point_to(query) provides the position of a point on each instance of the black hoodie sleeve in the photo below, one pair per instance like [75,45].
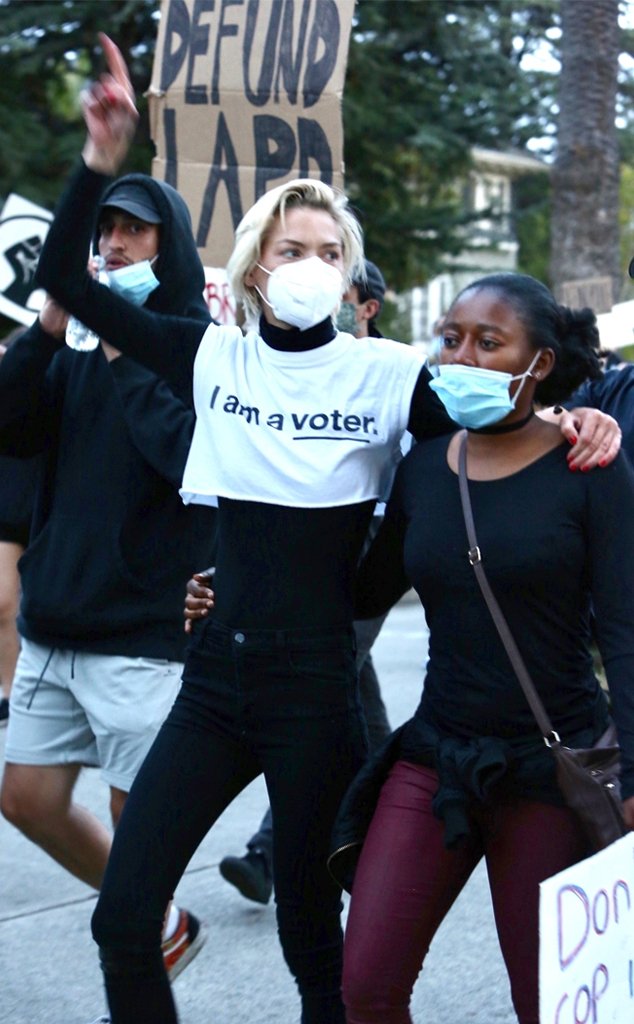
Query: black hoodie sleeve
[428,417]
[160,425]
[166,344]
[28,397]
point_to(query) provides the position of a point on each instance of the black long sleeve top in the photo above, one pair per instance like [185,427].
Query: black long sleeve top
[18,484]
[276,566]
[552,542]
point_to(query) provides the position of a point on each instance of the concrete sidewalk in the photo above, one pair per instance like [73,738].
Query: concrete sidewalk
[49,972]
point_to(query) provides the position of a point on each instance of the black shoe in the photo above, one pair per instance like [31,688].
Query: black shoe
[4,712]
[250,874]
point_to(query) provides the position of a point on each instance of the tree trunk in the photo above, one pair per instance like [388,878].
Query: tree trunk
[585,219]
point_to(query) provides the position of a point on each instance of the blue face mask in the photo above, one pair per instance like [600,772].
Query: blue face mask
[477,398]
[134,283]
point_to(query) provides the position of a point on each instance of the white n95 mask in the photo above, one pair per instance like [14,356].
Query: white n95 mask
[303,293]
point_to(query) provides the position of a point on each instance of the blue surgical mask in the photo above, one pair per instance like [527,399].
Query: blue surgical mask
[477,398]
[134,283]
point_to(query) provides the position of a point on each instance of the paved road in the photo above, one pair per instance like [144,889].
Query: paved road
[48,964]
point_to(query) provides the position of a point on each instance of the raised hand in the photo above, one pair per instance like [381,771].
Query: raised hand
[110,113]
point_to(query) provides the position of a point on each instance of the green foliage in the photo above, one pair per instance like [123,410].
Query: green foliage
[531,215]
[626,224]
[49,49]
[425,82]
[427,79]
[395,320]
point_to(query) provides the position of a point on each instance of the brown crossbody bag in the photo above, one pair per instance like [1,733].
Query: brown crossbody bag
[588,779]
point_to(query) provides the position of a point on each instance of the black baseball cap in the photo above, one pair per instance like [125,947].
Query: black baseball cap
[374,286]
[134,199]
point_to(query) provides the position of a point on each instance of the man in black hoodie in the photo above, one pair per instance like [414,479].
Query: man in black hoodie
[111,545]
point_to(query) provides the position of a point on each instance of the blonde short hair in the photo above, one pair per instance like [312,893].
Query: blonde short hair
[257,222]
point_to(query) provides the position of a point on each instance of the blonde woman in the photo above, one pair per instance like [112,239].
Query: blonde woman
[298,430]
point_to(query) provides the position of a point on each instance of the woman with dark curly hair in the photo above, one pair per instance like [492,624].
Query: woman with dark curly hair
[471,775]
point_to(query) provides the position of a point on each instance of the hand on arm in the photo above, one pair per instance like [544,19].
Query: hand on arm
[199,598]
[110,114]
[595,437]
[53,319]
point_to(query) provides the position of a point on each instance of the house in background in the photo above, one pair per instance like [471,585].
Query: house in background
[490,242]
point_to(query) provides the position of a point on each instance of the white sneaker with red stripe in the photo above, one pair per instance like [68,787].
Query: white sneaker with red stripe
[181,948]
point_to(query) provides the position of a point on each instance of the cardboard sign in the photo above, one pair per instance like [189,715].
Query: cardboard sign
[23,228]
[595,292]
[586,940]
[219,297]
[245,95]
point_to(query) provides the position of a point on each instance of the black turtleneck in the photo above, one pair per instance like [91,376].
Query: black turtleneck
[295,340]
[277,566]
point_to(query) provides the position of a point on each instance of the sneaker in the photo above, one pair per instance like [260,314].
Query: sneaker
[250,874]
[4,712]
[188,939]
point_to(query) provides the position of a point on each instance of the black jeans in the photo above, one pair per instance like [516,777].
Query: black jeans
[366,632]
[282,702]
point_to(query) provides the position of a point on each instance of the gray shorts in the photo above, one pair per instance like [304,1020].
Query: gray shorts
[70,707]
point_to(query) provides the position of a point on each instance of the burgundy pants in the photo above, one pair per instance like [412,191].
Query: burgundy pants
[406,881]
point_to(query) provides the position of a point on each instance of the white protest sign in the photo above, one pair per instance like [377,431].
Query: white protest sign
[219,297]
[586,940]
[23,228]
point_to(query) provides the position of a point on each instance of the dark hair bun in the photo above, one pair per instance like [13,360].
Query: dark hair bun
[576,356]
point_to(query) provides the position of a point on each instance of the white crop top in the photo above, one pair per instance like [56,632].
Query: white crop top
[304,429]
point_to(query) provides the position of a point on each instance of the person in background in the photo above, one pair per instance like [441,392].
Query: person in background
[18,478]
[252,874]
[362,303]
[111,544]
[469,775]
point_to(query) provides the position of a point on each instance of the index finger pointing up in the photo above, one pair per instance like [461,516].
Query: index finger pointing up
[116,64]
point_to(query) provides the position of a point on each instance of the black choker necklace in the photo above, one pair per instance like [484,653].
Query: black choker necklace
[506,428]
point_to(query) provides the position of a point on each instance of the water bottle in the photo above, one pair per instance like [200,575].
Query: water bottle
[78,336]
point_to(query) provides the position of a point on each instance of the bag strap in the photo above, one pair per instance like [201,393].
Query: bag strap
[475,557]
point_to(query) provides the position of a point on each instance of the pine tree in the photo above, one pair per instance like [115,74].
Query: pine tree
[425,82]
